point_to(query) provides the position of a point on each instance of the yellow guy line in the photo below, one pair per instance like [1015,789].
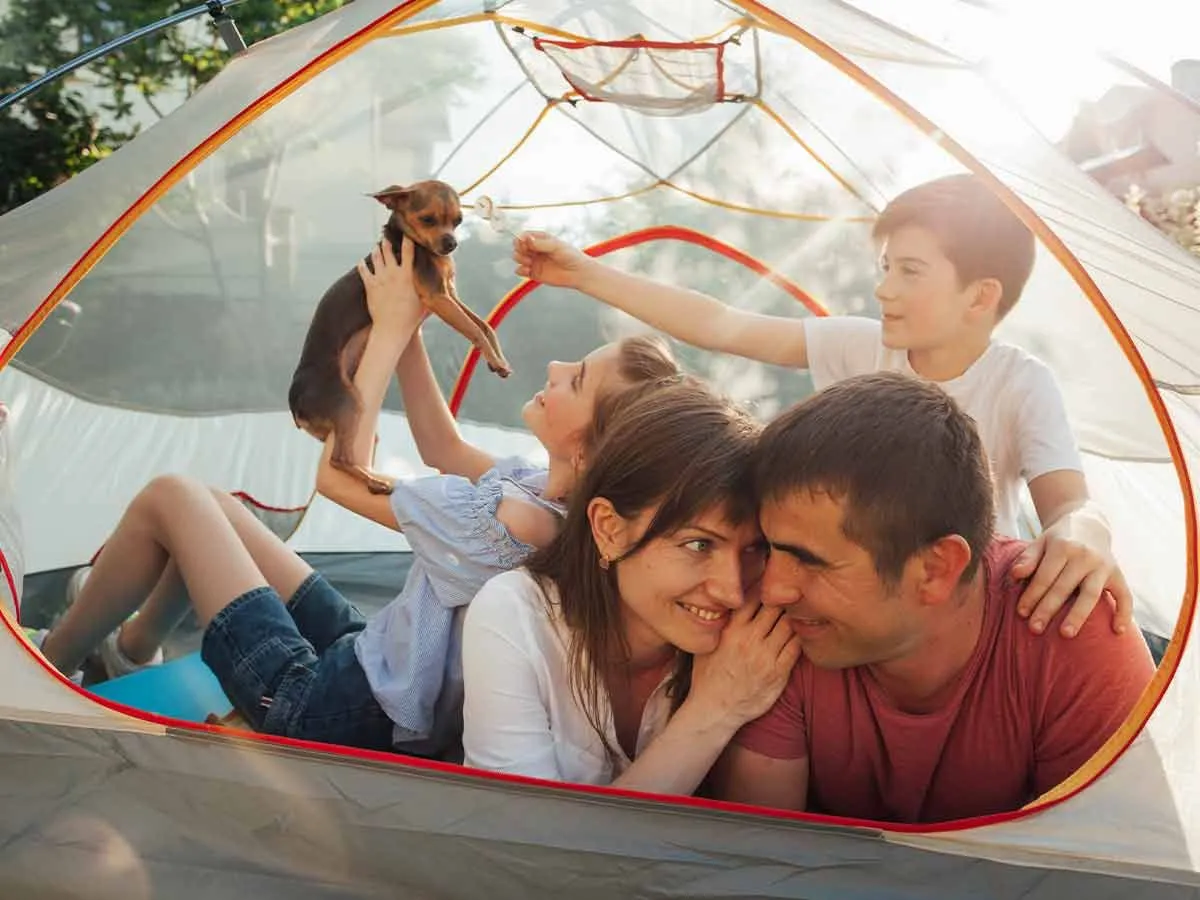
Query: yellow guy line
[562,204]
[484,17]
[752,210]
[515,147]
[741,22]
[539,28]
[791,132]
[772,213]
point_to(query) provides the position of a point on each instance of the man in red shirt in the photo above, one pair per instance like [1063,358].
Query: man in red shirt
[922,695]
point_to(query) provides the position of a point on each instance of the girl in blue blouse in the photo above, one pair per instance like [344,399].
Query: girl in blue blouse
[312,667]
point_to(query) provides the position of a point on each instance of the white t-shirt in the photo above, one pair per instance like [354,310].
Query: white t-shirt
[519,714]
[1011,395]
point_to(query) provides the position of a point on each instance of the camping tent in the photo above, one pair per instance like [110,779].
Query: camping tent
[155,305]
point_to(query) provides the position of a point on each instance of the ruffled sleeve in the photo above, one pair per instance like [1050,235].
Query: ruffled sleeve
[450,523]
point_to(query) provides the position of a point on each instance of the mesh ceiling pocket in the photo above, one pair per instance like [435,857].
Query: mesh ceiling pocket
[654,77]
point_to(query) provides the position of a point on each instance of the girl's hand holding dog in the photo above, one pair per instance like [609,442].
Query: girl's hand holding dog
[545,258]
[392,298]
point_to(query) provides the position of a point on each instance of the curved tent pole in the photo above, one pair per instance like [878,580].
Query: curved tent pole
[215,8]
[621,242]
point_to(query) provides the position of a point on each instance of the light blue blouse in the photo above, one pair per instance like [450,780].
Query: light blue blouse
[411,650]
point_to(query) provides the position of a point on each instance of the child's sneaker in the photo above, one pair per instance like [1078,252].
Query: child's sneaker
[37,636]
[112,662]
[115,663]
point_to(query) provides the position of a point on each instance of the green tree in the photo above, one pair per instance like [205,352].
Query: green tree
[55,134]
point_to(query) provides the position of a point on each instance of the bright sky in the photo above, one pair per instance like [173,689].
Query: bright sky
[1063,35]
[1043,51]
[1151,34]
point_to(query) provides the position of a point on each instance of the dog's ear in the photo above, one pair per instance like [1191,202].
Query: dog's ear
[394,196]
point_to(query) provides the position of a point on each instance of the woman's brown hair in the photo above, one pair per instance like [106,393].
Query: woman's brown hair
[672,445]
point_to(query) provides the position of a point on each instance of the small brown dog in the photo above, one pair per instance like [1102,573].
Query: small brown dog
[322,397]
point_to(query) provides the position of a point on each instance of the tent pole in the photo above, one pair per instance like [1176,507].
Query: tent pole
[215,8]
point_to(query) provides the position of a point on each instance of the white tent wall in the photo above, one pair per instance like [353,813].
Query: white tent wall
[112,453]
[1142,812]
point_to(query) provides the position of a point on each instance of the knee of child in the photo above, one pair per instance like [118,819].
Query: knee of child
[226,500]
[167,492]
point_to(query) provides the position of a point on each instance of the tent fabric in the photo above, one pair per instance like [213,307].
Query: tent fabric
[128,816]
[155,306]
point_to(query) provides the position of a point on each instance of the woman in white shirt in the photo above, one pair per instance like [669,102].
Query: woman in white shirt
[627,651]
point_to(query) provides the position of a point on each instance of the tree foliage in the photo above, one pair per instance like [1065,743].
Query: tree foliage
[62,129]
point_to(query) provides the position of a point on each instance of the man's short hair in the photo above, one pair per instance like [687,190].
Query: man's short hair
[905,459]
[981,236]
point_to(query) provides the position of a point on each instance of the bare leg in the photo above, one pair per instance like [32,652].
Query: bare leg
[162,612]
[180,519]
[168,603]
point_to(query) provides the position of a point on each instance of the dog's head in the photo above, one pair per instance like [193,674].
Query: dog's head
[429,212]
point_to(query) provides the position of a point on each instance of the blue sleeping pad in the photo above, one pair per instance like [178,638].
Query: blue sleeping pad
[181,688]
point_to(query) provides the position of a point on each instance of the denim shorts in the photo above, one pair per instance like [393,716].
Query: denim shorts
[291,669]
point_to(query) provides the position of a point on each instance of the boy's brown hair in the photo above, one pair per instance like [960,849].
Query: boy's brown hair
[898,452]
[981,236]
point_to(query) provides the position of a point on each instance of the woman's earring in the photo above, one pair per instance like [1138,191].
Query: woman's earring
[604,561]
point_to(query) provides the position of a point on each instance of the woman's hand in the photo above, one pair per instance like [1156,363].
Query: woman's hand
[392,298]
[745,675]
[547,259]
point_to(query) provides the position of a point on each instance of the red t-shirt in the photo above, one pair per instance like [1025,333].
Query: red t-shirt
[1029,711]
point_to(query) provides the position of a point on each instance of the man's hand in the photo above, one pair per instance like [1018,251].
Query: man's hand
[392,298]
[1072,555]
[545,258]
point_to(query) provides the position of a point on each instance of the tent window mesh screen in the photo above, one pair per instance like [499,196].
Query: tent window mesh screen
[654,77]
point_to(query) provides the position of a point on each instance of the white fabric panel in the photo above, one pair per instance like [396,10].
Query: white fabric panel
[76,466]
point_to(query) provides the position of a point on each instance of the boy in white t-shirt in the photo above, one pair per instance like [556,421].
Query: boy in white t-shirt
[955,259]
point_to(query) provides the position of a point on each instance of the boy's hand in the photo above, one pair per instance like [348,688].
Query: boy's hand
[392,298]
[1072,555]
[545,258]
